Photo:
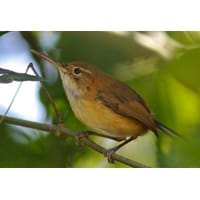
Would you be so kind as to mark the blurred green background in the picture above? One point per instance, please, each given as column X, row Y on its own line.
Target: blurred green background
column 164, row 67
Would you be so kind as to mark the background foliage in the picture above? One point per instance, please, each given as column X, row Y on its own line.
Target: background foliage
column 162, row 66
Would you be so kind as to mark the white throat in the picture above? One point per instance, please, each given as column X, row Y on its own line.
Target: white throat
column 70, row 87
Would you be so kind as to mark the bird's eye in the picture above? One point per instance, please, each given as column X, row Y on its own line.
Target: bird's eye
column 76, row 70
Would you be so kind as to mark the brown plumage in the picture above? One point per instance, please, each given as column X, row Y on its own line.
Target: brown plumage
column 106, row 105
column 116, row 96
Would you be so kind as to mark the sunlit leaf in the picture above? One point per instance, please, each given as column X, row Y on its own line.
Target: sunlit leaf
column 186, row 38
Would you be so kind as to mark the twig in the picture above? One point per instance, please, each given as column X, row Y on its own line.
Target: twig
column 8, row 76
column 65, row 132
column 58, row 115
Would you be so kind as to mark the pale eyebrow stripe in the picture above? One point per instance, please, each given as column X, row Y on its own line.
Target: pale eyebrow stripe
column 86, row 70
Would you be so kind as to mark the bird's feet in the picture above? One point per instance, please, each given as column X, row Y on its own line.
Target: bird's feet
column 109, row 153
column 80, row 136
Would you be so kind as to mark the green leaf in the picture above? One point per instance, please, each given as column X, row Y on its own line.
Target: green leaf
column 104, row 49
column 186, row 38
column 186, row 68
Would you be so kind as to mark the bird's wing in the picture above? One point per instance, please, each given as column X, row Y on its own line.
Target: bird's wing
column 125, row 101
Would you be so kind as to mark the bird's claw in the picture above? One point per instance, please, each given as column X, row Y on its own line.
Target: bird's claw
column 109, row 153
column 78, row 138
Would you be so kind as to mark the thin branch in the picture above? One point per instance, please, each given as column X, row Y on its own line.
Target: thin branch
column 8, row 76
column 58, row 115
column 11, row 73
column 65, row 132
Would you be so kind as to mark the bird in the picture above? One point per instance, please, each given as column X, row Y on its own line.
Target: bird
column 108, row 106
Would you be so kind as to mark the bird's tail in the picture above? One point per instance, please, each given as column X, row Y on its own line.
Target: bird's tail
column 167, row 130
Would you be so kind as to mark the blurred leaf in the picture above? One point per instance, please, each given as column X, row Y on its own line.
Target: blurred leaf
column 32, row 39
column 179, row 108
column 186, row 68
column 20, row 150
column 187, row 38
column 105, row 49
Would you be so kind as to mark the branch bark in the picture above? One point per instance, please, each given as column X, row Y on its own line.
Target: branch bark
column 65, row 132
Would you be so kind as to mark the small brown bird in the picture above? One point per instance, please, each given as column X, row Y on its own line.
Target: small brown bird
column 108, row 106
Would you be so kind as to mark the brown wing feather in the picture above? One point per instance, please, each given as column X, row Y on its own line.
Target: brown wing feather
column 130, row 104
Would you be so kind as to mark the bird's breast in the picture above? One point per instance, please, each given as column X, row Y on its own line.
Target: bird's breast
column 102, row 119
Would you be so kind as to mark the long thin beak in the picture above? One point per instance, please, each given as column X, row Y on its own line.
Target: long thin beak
column 45, row 57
